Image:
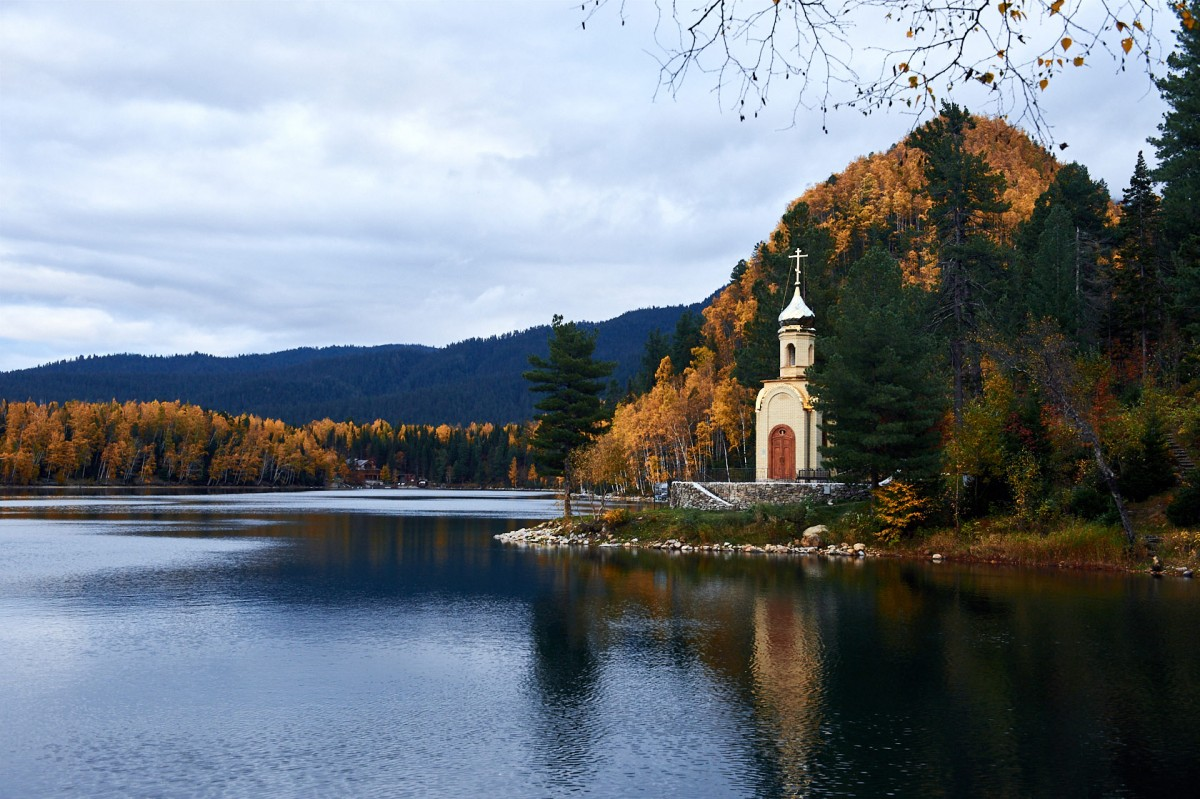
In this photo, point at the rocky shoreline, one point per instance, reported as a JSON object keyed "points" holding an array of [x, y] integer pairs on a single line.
{"points": [[556, 534]]}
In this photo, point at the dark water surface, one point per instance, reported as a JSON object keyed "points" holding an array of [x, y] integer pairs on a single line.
{"points": [[381, 643]]}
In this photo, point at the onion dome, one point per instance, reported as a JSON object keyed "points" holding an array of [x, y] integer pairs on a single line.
{"points": [[797, 311]]}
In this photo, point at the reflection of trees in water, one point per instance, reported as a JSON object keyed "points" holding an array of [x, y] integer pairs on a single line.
{"points": [[913, 679], [742, 622], [566, 672]]}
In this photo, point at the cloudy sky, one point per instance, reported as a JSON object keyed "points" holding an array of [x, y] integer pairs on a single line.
{"points": [[254, 176]]}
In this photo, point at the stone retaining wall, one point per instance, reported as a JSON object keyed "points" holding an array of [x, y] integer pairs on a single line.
{"points": [[725, 496]]}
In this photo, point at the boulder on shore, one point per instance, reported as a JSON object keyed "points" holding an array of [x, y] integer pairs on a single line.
{"points": [[814, 536]]}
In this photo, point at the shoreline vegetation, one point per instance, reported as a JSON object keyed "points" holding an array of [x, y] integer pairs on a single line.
{"points": [[841, 531]]}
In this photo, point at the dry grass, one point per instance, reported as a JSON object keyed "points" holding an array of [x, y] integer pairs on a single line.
{"points": [[1074, 543]]}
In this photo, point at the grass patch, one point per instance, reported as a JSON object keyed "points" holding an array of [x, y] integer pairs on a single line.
{"points": [[1068, 541], [760, 525], [1074, 542]]}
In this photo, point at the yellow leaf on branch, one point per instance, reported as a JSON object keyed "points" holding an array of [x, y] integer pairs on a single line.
{"points": [[1127, 44], [1066, 43], [1078, 61], [1055, 6]]}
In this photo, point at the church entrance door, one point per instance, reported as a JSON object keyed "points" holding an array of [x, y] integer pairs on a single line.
{"points": [[781, 461]]}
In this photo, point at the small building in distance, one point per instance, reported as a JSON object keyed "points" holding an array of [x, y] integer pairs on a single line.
{"points": [[788, 424], [361, 471]]}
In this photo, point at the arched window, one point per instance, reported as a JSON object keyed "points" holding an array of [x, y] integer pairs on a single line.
{"points": [[810, 353], [791, 355]]}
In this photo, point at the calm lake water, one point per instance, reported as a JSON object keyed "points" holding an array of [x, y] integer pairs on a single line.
{"points": [[381, 643]]}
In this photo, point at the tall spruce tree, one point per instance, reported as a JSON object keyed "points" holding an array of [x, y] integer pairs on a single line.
{"points": [[571, 413], [1054, 274], [1178, 149], [966, 200], [1178, 146], [1139, 290], [877, 386], [1085, 202]]}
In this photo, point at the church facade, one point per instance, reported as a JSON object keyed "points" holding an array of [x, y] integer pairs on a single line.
{"points": [[788, 434]]}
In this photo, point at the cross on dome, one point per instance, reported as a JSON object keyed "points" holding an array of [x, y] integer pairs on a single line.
{"points": [[797, 311]]}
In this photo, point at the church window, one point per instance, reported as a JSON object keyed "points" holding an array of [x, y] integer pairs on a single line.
{"points": [[791, 355]]}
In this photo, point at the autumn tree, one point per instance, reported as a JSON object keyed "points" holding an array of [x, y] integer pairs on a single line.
{"points": [[877, 388], [571, 412], [1047, 357]]}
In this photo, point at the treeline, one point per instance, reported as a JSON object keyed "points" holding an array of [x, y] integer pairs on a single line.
{"points": [[991, 327], [147, 443], [419, 384]]}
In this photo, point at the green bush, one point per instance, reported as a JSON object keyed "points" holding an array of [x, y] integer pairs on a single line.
{"points": [[1148, 469], [1089, 502], [1184, 510]]}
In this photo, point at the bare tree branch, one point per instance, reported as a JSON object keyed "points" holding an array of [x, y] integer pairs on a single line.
{"points": [[873, 55]]}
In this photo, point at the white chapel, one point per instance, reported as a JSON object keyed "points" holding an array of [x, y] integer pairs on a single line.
{"points": [[788, 425]]}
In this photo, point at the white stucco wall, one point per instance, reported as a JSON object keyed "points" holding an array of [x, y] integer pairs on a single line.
{"points": [[783, 402]]}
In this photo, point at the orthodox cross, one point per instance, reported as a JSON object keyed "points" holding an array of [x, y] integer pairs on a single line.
{"points": [[799, 256]]}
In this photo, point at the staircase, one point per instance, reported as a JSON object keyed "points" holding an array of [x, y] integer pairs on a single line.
{"points": [[1183, 461]]}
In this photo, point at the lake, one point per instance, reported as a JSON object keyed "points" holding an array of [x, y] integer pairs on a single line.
{"points": [[382, 644]]}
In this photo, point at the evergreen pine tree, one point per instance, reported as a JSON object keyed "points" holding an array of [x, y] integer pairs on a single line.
{"points": [[1052, 284], [966, 197], [1137, 282], [689, 334], [877, 388], [1149, 469], [571, 412], [1086, 203], [1178, 146], [1178, 149]]}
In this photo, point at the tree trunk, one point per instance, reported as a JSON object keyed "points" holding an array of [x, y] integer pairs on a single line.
{"points": [[567, 488]]}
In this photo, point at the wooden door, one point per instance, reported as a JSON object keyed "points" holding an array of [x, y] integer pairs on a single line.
{"points": [[781, 461]]}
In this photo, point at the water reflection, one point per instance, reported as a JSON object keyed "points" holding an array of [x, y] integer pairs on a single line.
{"points": [[276, 649]]}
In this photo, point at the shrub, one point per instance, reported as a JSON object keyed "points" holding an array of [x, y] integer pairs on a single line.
{"points": [[616, 517], [899, 508], [1184, 510], [1089, 502], [1148, 470]]}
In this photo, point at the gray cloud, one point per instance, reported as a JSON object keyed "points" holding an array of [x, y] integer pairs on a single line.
{"points": [[236, 177]]}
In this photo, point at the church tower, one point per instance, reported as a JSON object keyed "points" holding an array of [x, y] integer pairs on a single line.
{"points": [[788, 425]]}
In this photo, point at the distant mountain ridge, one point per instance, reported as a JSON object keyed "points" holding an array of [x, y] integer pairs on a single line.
{"points": [[476, 380]]}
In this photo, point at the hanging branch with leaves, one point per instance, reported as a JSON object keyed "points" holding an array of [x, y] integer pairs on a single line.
{"points": [[872, 55]]}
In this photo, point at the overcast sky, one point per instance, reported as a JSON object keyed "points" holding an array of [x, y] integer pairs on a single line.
{"points": [[249, 177]]}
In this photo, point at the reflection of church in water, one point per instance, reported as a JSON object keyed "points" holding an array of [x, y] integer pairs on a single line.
{"points": [[788, 425]]}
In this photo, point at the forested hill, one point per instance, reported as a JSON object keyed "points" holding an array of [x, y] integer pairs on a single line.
{"points": [[471, 381]]}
